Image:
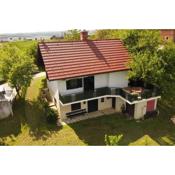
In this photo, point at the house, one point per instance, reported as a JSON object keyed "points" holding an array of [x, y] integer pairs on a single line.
{"points": [[87, 76], [168, 34], [7, 95]]}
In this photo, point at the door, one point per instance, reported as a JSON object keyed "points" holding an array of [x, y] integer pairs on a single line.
{"points": [[93, 105], [150, 105], [113, 102], [89, 83], [130, 109]]}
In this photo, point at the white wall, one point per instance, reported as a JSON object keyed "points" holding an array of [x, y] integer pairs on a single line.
{"points": [[155, 104], [119, 103], [53, 89], [118, 79], [104, 105], [101, 80], [60, 86], [140, 110], [114, 79], [63, 90]]}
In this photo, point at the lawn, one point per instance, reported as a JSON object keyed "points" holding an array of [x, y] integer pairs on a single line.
{"points": [[29, 127]]}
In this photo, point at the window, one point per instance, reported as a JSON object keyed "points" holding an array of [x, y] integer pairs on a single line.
{"points": [[102, 99], [74, 83], [75, 106]]}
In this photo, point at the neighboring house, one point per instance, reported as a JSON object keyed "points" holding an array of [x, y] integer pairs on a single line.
{"points": [[86, 76], [168, 34], [7, 95]]}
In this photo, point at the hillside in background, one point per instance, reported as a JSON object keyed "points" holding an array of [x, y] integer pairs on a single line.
{"points": [[33, 36]]}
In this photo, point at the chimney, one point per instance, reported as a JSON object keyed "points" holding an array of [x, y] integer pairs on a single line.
{"points": [[84, 35]]}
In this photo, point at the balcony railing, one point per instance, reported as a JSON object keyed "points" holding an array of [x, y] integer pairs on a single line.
{"points": [[146, 93]]}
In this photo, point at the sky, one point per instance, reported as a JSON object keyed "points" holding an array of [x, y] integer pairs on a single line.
{"points": [[57, 15]]}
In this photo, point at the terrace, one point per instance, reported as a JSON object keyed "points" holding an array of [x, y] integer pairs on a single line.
{"points": [[130, 94]]}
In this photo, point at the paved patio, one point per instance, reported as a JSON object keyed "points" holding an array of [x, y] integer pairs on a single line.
{"points": [[86, 116]]}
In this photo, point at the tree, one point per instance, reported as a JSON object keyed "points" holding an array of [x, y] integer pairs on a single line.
{"points": [[105, 34], [156, 68], [16, 67], [137, 41], [167, 78], [31, 50], [72, 35], [146, 67], [20, 75], [143, 46], [141, 41], [29, 47]]}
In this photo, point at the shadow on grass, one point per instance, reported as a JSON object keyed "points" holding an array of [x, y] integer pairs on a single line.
{"points": [[35, 117], [93, 131], [29, 114], [36, 120], [12, 125]]}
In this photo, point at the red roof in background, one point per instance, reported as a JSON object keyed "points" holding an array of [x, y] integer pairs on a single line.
{"points": [[80, 58]]}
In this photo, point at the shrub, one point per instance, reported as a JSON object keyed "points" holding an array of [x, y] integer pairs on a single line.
{"points": [[51, 116], [113, 140]]}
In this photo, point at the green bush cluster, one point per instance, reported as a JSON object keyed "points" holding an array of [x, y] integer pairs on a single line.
{"points": [[51, 116], [113, 140]]}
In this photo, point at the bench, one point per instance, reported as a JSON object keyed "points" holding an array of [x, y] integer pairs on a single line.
{"points": [[76, 112]]}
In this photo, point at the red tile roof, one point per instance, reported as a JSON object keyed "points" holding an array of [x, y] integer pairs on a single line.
{"points": [[80, 58]]}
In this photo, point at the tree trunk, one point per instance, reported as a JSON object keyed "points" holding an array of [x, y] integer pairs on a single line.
{"points": [[17, 90]]}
